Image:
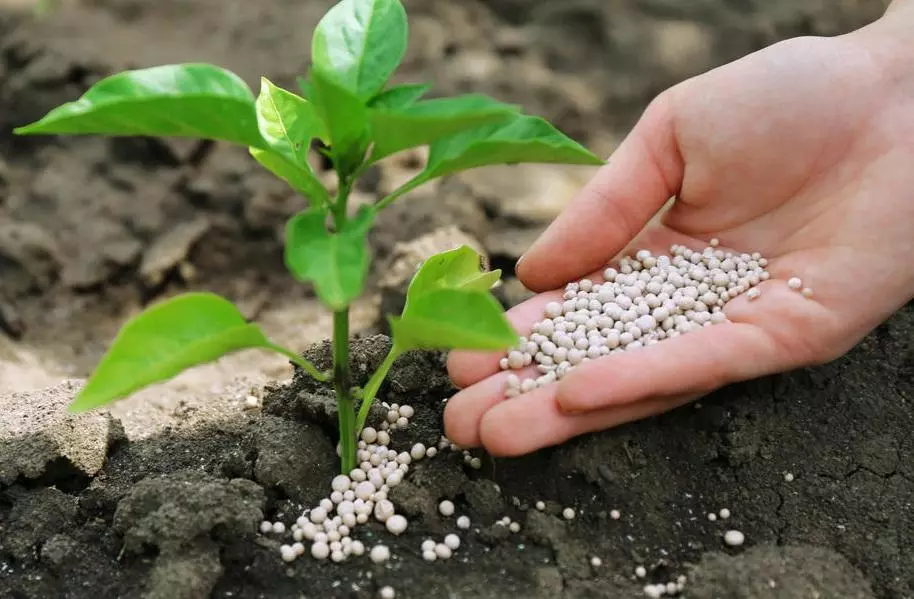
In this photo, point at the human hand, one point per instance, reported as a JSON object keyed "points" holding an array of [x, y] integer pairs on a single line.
{"points": [[804, 152]]}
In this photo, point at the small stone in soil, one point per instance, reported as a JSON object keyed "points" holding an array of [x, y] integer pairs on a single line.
{"points": [[724, 513], [615, 514], [387, 593], [463, 522], [568, 513]]}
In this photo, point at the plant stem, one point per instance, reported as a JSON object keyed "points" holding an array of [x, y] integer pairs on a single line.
{"points": [[342, 200], [342, 378], [341, 384], [405, 188], [371, 389]]}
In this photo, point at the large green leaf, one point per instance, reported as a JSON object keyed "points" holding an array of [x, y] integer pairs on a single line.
{"points": [[459, 268], [399, 96], [361, 42], [185, 100], [336, 263], [452, 319], [300, 178], [346, 118], [166, 339], [424, 122], [521, 139]]}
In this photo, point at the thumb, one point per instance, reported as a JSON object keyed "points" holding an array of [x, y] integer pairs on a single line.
{"points": [[642, 175]]}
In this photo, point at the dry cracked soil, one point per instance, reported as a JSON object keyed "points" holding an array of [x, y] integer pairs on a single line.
{"points": [[162, 495]]}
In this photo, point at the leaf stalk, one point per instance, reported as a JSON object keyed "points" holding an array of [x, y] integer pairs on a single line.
{"points": [[374, 384]]}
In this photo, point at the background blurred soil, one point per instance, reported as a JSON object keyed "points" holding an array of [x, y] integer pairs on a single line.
{"points": [[92, 229]]}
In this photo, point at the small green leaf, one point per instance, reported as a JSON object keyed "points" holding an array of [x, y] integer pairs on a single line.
{"points": [[185, 100], [346, 119], [301, 179], [166, 339], [399, 96], [288, 122], [458, 268], [425, 122], [452, 319], [362, 42], [448, 306], [521, 139], [337, 263]]}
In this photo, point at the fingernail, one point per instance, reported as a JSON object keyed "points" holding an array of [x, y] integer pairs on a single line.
{"points": [[566, 410]]}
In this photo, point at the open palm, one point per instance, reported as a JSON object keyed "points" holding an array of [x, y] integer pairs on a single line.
{"points": [[804, 152]]}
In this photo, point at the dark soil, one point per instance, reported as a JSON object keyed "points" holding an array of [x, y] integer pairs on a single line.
{"points": [[176, 515]]}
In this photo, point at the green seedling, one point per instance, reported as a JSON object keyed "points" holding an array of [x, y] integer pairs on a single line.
{"points": [[350, 112]]}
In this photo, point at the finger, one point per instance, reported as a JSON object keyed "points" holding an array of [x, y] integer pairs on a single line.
{"points": [[465, 410], [468, 367], [696, 362], [644, 172], [532, 421]]}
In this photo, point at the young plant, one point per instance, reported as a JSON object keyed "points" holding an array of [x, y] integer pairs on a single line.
{"points": [[348, 109]]}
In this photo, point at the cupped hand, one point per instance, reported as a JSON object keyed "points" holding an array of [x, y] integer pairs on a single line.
{"points": [[804, 152]]}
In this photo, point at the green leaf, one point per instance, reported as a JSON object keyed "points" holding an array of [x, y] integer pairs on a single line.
{"points": [[307, 91], [452, 319], [362, 43], [521, 139], [458, 268], [288, 122], [448, 306], [399, 96], [346, 118], [301, 179], [337, 263], [166, 339], [425, 122], [186, 100]]}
